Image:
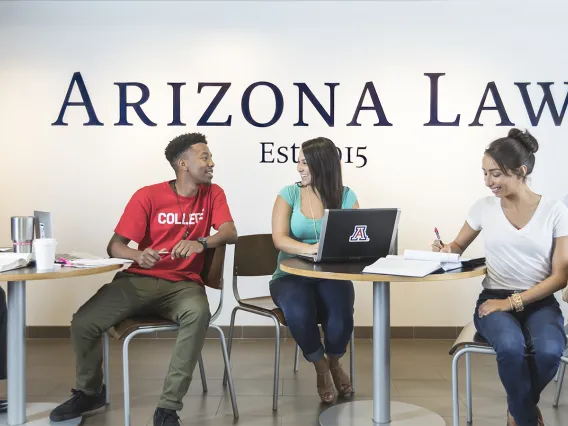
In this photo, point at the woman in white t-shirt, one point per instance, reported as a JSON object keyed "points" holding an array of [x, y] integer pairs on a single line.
{"points": [[526, 248]]}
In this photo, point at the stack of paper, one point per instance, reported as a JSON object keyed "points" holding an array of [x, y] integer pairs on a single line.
{"points": [[90, 263], [9, 261], [415, 263], [448, 261]]}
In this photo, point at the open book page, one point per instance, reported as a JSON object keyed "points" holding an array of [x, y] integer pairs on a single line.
{"points": [[431, 255], [397, 265], [448, 261], [9, 261]]}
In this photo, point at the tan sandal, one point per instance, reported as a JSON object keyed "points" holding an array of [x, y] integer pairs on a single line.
{"points": [[540, 419], [325, 386], [510, 420], [341, 380]]}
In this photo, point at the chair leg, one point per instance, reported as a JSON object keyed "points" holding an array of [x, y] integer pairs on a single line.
{"points": [[106, 373], [202, 372], [276, 366], [455, 395], [352, 360], [468, 387], [126, 379], [230, 339], [296, 358], [560, 374], [227, 369]]}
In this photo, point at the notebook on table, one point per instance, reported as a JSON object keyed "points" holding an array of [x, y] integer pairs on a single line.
{"points": [[419, 263]]}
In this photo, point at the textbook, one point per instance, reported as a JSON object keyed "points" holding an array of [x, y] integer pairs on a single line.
{"points": [[416, 263], [9, 261]]}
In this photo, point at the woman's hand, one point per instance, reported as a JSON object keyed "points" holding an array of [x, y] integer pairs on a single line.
{"points": [[438, 246], [494, 305], [313, 248]]}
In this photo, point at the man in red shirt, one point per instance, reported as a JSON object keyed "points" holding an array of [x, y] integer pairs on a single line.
{"points": [[173, 217]]}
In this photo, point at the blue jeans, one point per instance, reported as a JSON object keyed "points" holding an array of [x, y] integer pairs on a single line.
{"points": [[529, 345], [305, 302]]}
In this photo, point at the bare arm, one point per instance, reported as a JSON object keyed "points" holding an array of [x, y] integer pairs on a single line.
{"points": [[557, 280], [227, 234], [281, 230], [118, 247], [465, 237]]}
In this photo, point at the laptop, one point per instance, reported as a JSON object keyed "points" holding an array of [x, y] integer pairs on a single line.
{"points": [[44, 229], [356, 235]]}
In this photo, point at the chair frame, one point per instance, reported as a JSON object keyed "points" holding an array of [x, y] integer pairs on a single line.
{"points": [[483, 348], [243, 306], [161, 328]]}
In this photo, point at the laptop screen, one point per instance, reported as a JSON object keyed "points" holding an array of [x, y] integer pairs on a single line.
{"points": [[353, 234]]}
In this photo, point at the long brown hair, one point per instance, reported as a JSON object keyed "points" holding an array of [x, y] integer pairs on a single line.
{"points": [[323, 160]]}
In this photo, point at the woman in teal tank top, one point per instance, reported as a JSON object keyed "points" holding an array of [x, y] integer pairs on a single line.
{"points": [[307, 302]]}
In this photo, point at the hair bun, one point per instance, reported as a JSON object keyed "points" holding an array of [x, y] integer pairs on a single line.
{"points": [[525, 138]]}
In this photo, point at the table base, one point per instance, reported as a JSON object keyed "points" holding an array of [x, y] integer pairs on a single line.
{"points": [[37, 414], [357, 413]]}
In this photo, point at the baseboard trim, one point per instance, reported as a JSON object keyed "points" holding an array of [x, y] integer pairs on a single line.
{"points": [[265, 332]]}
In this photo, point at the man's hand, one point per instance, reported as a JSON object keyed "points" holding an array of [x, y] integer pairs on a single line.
{"points": [[186, 248], [148, 258]]}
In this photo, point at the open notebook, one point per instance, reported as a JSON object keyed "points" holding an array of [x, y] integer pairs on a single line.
{"points": [[415, 263], [9, 261]]}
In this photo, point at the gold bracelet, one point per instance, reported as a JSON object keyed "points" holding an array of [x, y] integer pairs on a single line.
{"points": [[518, 302], [511, 303]]}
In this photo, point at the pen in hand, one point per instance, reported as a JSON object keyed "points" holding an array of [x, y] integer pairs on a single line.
{"points": [[438, 236]]}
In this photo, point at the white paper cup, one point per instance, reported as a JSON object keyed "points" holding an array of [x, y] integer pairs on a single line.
{"points": [[44, 250]]}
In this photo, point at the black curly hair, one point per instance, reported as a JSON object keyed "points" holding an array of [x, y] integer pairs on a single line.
{"points": [[181, 144]]}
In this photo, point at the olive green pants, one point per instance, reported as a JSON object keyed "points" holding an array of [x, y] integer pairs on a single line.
{"points": [[128, 295]]}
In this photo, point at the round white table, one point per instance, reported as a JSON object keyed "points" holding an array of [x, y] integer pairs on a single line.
{"points": [[20, 413], [381, 410]]}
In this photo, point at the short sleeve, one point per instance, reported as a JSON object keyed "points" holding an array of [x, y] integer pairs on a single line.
{"points": [[349, 198], [475, 215], [289, 194], [565, 200], [134, 220], [561, 221], [221, 212]]}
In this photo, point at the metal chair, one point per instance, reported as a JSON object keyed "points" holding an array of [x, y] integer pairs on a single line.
{"points": [[255, 256], [129, 328], [471, 342], [560, 374]]}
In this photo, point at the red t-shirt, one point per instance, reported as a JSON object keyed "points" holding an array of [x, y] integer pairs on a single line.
{"points": [[153, 218]]}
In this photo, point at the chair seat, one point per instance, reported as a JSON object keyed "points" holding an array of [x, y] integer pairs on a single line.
{"points": [[469, 337], [264, 303], [127, 326]]}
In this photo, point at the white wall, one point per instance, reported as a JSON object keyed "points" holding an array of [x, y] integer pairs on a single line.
{"points": [[85, 175]]}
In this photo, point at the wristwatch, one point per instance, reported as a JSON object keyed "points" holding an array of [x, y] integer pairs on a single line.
{"points": [[203, 242]]}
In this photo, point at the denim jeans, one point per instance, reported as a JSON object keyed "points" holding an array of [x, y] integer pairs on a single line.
{"points": [[306, 302], [529, 345]]}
